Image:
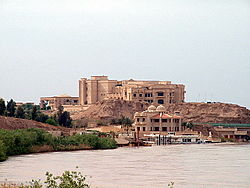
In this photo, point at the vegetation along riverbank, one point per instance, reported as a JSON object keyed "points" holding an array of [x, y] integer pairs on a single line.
{"points": [[24, 141]]}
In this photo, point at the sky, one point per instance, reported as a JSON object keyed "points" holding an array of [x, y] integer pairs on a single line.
{"points": [[46, 46]]}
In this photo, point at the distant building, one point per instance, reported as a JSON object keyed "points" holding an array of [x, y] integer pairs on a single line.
{"points": [[99, 88], [55, 101], [157, 120], [238, 132], [24, 103]]}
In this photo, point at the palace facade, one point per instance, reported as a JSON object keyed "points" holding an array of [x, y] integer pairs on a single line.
{"points": [[99, 88]]}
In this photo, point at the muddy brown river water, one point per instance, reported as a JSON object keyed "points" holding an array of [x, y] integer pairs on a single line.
{"points": [[197, 165]]}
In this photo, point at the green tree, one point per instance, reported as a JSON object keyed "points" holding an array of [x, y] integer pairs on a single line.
{"points": [[2, 107], [59, 110], [11, 108], [188, 125], [20, 112], [127, 122], [41, 117], [51, 121], [34, 113], [27, 106], [64, 119]]}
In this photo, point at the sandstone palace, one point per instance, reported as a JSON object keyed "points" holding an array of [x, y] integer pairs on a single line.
{"points": [[99, 88]]}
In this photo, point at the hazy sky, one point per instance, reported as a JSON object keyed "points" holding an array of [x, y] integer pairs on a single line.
{"points": [[47, 45]]}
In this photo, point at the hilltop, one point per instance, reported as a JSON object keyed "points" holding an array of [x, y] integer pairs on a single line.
{"points": [[109, 109], [211, 112], [192, 112]]}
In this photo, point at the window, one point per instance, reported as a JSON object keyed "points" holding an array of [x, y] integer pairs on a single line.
{"points": [[148, 95], [164, 129], [160, 94], [156, 129], [140, 95], [156, 120], [138, 119], [160, 101], [138, 128], [143, 119], [134, 95], [144, 128], [164, 120]]}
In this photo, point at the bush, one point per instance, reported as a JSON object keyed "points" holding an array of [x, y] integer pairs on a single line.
{"points": [[51, 121], [69, 179], [3, 156], [20, 141], [15, 142]]}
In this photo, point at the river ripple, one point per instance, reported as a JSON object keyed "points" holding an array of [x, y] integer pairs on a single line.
{"points": [[204, 165]]}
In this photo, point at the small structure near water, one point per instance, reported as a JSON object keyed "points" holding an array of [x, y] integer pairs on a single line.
{"points": [[157, 120]]}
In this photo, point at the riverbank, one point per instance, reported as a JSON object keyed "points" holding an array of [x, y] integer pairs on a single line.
{"points": [[25, 141]]}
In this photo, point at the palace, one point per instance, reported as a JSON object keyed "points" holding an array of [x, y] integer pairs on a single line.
{"points": [[99, 88]]}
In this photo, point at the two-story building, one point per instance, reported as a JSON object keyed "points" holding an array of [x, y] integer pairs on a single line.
{"points": [[157, 120]]}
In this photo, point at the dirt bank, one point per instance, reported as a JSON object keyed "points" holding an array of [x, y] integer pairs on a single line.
{"points": [[192, 112], [11, 123]]}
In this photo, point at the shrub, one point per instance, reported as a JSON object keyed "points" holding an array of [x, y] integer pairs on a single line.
{"points": [[20, 141], [15, 142], [51, 121], [69, 179], [3, 156]]}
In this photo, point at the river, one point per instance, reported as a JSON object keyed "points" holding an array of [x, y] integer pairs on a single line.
{"points": [[194, 165]]}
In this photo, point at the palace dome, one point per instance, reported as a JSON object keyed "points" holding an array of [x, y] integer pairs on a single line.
{"points": [[151, 108], [161, 108]]}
